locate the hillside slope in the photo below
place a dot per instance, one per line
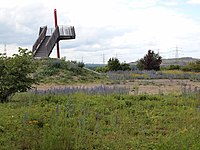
(174, 61)
(64, 72)
(178, 61)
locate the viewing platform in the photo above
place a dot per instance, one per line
(48, 37)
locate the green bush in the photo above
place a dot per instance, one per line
(102, 69)
(81, 64)
(124, 66)
(151, 61)
(16, 74)
(192, 66)
(174, 67)
(113, 65)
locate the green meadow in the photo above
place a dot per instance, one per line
(100, 121)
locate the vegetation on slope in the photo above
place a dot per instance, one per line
(21, 71)
(64, 72)
(73, 118)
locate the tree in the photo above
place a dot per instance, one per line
(151, 61)
(124, 66)
(15, 74)
(113, 64)
(102, 69)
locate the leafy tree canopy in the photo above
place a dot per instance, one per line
(151, 61)
(15, 75)
(113, 64)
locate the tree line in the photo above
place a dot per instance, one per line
(151, 61)
(17, 71)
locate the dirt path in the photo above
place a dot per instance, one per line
(162, 86)
(153, 86)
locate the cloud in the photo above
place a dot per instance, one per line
(143, 3)
(170, 3)
(193, 2)
(162, 29)
(18, 25)
(128, 28)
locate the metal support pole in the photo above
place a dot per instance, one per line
(56, 24)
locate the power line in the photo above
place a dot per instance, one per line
(103, 58)
(177, 50)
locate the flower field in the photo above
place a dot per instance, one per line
(167, 74)
(122, 110)
(80, 119)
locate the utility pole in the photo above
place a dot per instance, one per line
(177, 50)
(176, 53)
(82, 59)
(5, 50)
(103, 58)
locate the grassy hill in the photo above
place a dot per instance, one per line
(64, 72)
(173, 61)
(178, 61)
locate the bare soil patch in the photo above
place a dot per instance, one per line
(153, 86)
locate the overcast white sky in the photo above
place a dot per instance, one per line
(123, 28)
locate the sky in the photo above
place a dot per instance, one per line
(125, 29)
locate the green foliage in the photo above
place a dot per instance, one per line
(140, 65)
(124, 66)
(151, 61)
(171, 67)
(174, 67)
(81, 64)
(82, 121)
(192, 66)
(16, 74)
(102, 69)
(60, 71)
(113, 64)
(186, 68)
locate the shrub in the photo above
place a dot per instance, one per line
(125, 66)
(16, 74)
(174, 67)
(151, 61)
(114, 64)
(102, 69)
(195, 66)
(81, 64)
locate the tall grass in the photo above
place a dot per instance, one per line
(95, 121)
